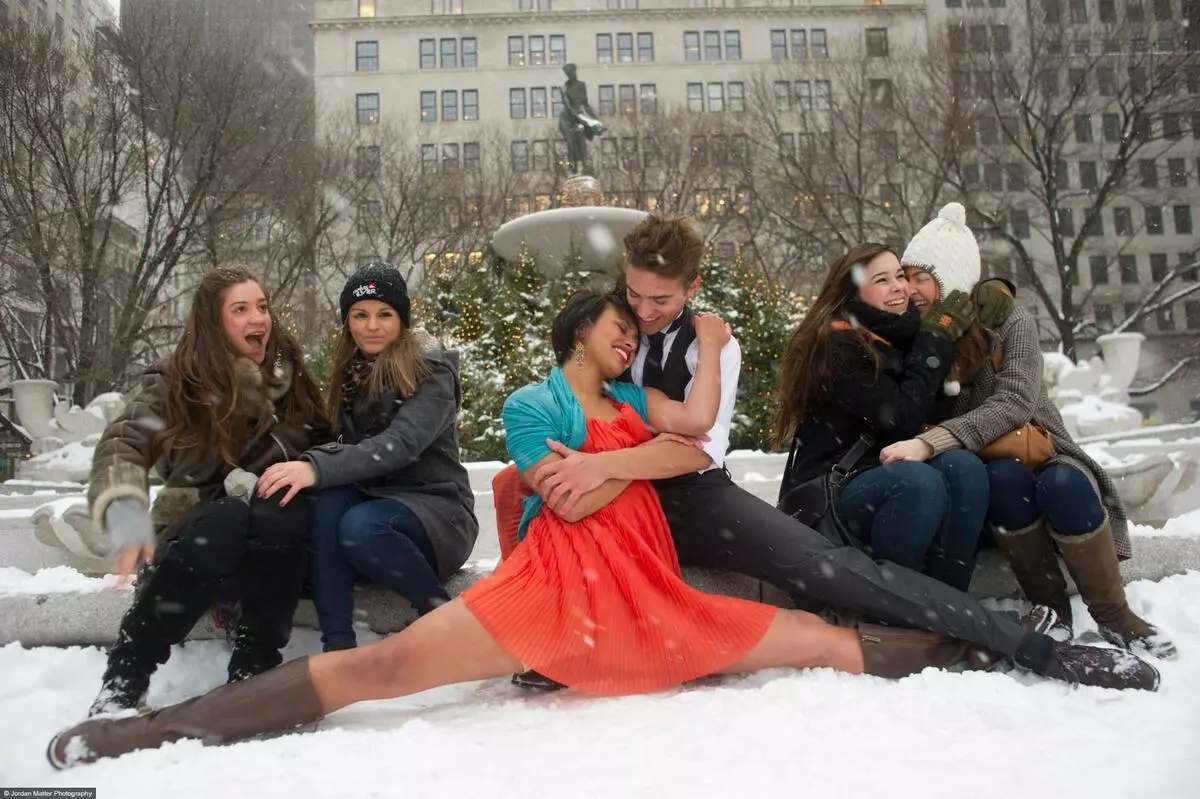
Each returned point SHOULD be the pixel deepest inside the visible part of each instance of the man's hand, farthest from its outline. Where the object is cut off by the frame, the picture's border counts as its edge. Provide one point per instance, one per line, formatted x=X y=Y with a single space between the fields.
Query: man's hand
x=914 y=449
x=563 y=482
x=676 y=438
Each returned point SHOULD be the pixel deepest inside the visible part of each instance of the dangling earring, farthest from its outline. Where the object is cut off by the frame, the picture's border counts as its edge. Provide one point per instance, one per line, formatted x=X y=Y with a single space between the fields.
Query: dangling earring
x=580 y=353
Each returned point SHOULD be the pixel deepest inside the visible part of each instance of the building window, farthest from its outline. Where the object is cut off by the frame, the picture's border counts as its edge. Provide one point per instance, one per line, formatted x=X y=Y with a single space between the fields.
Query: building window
x=470 y=52
x=1154 y=220
x=1066 y=222
x=471 y=156
x=712 y=45
x=877 y=43
x=428 y=54
x=799 y=44
x=1172 y=127
x=541 y=156
x=1165 y=318
x=822 y=95
x=1001 y=43
x=778 y=45
x=1177 y=172
x=881 y=94
x=1131 y=310
x=716 y=97
x=367 y=108
x=691 y=45
x=449 y=106
x=366 y=57
x=1158 y=266
x=699 y=150
x=1122 y=221
x=1127 y=264
x=625 y=48
x=1112 y=128
x=520 y=156
x=556 y=102
x=1104 y=318
x=1107 y=10
x=470 y=104
x=1098 y=266
x=537 y=103
x=366 y=161
x=627 y=95
x=1188 y=271
x=446 y=6
x=604 y=48
x=1191 y=313
x=1020 y=224
x=449 y=157
x=366 y=8
x=429 y=158
x=820 y=48
x=449 y=53
x=648 y=93
x=629 y=153
x=737 y=97
x=608 y=153
x=733 y=45
x=537 y=51
x=516 y=103
x=1016 y=177
x=645 y=47
x=695 y=97
x=516 y=51
x=1148 y=173
x=429 y=106
x=558 y=49
x=607 y=106
x=783 y=95
x=1083 y=129
x=1088 y=177
x=1183 y=219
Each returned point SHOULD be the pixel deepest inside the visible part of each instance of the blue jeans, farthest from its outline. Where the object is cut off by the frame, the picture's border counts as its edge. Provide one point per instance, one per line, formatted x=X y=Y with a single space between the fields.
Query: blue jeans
x=1060 y=493
x=926 y=516
x=380 y=539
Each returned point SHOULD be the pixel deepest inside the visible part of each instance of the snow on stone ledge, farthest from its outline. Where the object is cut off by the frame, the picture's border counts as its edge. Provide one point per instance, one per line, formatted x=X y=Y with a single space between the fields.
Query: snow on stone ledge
x=1094 y=416
x=54 y=580
x=1185 y=526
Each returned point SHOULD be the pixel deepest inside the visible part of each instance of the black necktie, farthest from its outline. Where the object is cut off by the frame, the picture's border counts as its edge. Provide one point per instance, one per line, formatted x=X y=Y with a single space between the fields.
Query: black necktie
x=652 y=370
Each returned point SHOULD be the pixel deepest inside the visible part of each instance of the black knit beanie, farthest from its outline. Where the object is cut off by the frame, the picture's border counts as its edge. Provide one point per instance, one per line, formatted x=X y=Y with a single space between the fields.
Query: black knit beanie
x=378 y=281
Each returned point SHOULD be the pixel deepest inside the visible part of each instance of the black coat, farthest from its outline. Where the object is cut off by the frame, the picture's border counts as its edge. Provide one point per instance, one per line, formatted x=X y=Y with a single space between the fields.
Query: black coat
x=891 y=405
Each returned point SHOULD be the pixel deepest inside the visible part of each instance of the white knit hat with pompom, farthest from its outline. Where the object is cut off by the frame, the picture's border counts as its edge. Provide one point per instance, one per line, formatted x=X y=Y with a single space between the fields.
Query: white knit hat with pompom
x=946 y=248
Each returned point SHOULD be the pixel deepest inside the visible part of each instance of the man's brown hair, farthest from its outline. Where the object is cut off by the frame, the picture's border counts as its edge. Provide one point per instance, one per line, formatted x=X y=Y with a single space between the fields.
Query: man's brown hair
x=667 y=245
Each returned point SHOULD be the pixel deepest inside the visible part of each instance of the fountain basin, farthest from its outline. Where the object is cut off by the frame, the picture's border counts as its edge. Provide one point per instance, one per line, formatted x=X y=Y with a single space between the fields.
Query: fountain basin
x=595 y=231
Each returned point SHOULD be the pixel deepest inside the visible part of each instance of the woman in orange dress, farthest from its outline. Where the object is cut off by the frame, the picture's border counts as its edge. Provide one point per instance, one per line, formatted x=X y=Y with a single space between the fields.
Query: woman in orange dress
x=593 y=599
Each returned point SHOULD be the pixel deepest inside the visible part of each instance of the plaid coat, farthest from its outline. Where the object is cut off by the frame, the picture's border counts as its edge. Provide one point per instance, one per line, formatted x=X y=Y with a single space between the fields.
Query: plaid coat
x=997 y=402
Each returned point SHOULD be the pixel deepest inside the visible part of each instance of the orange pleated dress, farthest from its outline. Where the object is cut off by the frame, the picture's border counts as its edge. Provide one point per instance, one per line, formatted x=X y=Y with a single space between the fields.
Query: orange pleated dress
x=599 y=605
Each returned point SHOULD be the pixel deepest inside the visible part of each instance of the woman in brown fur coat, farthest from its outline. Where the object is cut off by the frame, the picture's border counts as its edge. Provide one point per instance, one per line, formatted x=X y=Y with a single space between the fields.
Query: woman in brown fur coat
x=233 y=399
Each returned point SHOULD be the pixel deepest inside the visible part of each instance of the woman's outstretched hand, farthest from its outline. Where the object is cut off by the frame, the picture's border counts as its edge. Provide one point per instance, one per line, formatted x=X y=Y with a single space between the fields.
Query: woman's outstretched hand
x=295 y=475
x=914 y=449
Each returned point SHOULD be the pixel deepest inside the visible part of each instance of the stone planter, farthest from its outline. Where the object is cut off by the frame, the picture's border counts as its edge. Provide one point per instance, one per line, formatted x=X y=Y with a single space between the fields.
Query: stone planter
x=34 y=401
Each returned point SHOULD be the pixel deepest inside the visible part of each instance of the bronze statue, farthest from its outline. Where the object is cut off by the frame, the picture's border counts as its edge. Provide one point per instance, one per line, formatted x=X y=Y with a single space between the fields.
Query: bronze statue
x=577 y=123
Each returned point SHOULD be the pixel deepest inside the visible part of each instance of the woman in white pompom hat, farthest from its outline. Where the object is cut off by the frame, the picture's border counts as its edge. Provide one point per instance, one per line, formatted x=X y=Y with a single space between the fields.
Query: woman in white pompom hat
x=1064 y=504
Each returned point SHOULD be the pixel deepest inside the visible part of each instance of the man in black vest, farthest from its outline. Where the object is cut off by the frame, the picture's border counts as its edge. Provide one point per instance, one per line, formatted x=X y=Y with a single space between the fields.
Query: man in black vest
x=715 y=523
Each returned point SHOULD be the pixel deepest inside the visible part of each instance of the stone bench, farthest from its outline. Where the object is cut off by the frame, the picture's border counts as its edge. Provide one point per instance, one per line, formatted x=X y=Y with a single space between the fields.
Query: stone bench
x=92 y=617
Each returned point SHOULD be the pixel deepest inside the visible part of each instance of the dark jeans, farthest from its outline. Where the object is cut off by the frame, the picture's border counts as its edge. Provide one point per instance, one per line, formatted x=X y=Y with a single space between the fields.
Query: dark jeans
x=718 y=525
x=1059 y=492
x=925 y=516
x=380 y=539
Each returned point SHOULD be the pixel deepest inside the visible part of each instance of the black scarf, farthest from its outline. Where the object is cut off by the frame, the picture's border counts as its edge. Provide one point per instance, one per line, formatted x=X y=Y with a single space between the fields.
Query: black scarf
x=355 y=376
x=898 y=329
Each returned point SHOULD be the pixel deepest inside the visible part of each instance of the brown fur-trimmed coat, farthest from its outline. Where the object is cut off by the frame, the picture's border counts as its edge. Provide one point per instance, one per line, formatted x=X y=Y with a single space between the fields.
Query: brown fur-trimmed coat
x=129 y=448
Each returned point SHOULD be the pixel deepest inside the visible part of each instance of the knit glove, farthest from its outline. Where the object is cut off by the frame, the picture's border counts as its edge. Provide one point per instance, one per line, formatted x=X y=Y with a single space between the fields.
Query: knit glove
x=240 y=484
x=949 y=318
x=994 y=302
x=128 y=523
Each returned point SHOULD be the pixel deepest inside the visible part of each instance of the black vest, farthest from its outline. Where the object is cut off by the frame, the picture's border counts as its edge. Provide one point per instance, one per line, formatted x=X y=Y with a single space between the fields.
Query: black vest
x=676 y=375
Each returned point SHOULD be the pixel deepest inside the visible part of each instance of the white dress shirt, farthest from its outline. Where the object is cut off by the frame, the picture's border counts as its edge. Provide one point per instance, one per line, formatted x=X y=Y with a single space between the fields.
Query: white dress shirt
x=731 y=367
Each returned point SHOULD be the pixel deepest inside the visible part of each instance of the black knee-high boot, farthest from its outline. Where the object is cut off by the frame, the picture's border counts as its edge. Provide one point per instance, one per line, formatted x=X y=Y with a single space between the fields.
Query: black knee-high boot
x=164 y=611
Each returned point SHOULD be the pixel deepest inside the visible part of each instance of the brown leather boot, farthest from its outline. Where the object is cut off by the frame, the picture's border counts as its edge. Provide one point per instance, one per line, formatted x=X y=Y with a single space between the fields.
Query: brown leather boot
x=897 y=652
x=1030 y=553
x=276 y=701
x=1091 y=559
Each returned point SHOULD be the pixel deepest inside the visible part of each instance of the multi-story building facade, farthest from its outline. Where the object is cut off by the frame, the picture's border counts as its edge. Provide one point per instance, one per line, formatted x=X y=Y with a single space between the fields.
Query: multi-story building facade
x=458 y=74
x=69 y=18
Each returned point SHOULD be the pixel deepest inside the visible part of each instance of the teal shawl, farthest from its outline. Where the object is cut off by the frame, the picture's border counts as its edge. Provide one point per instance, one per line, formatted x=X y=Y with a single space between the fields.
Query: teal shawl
x=549 y=410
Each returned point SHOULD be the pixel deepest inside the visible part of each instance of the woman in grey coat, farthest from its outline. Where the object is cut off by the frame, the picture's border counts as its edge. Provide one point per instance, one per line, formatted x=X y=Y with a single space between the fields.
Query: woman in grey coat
x=1067 y=506
x=393 y=504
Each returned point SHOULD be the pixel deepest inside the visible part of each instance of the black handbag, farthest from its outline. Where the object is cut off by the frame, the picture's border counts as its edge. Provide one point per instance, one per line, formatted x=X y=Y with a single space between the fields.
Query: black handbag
x=814 y=502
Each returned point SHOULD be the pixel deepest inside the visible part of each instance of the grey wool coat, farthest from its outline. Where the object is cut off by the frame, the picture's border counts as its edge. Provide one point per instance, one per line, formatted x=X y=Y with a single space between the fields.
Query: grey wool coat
x=997 y=402
x=407 y=450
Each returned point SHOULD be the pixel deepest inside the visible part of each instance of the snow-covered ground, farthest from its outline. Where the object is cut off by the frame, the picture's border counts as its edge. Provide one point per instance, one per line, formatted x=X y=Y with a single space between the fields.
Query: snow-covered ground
x=812 y=734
